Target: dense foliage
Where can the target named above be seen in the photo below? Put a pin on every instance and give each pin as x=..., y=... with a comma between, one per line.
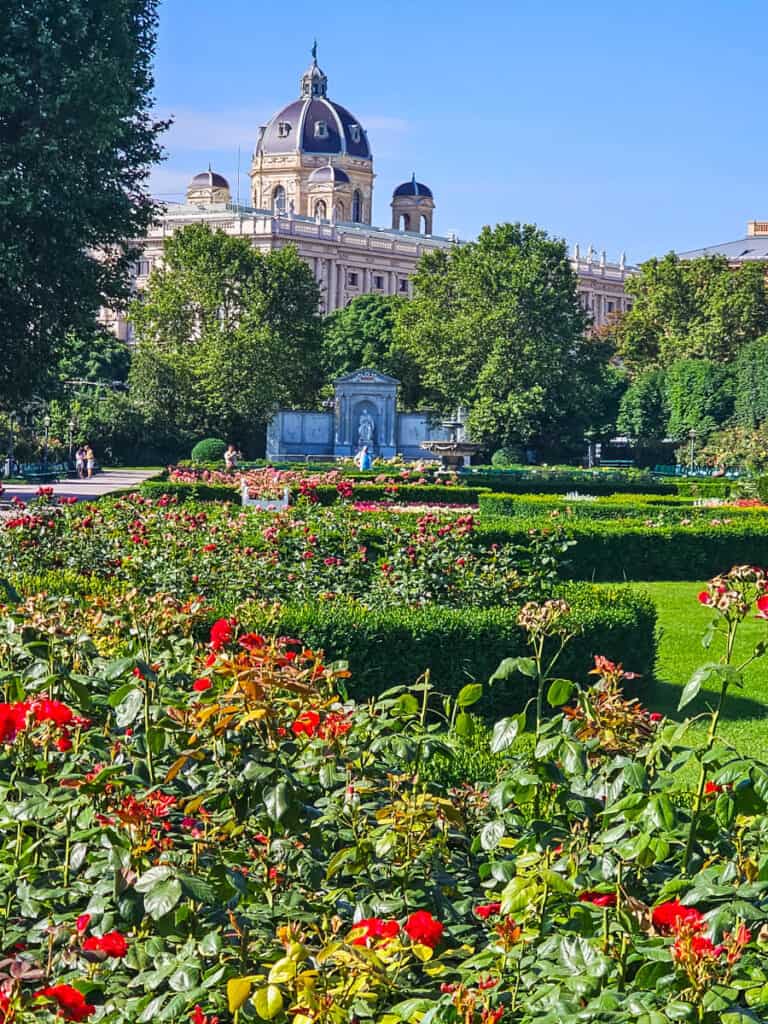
x=213, y=830
x=496, y=326
x=77, y=138
x=225, y=335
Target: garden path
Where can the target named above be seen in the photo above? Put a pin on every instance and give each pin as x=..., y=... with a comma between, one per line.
x=105, y=482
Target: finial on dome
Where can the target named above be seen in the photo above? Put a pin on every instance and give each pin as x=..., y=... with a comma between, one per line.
x=313, y=81
x=314, y=51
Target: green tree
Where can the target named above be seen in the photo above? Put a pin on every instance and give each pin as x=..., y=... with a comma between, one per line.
x=698, y=396
x=98, y=356
x=751, y=383
x=643, y=410
x=496, y=326
x=225, y=335
x=362, y=334
x=686, y=309
x=77, y=139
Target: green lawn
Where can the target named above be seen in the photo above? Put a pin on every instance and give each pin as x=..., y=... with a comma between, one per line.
x=682, y=623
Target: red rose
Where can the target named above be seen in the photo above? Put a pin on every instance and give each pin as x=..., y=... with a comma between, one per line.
x=704, y=597
x=72, y=1004
x=599, y=899
x=373, y=928
x=668, y=917
x=656, y=716
x=82, y=923
x=111, y=944
x=209, y=547
x=64, y=743
x=221, y=633
x=251, y=641
x=203, y=683
x=712, y=787
x=52, y=711
x=762, y=607
x=306, y=723
x=423, y=928
x=487, y=910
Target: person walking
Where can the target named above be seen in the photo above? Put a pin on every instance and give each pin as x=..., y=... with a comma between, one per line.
x=363, y=459
x=80, y=461
x=90, y=460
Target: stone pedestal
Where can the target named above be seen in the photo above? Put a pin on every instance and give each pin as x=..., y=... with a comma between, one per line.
x=364, y=414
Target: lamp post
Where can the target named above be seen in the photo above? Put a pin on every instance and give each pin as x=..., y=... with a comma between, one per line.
x=71, y=430
x=588, y=437
x=11, y=438
x=692, y=436
x=47, y=427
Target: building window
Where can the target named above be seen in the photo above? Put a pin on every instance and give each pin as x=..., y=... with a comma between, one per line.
x=321, y=130
x=338, y=211
x=283, y=129
x=357, y=206
x=378, y=281
x=609, y=307
x=352, y=278
x=278, y=199
x=403, y=286
x=629, y=305
x=354, y=132
x=321, y=210
x=142, y=268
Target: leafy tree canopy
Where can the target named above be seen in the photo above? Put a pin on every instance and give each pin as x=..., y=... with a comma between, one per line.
x=76, y=142
x=496, y=326
x=699, y=397
x=691, y=309
x=643, y=411
x=751, y=383
x=362, y=334
x=99, y=356
x=225, y=335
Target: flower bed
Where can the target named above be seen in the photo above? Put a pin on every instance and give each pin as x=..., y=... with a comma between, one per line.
x=211, y=831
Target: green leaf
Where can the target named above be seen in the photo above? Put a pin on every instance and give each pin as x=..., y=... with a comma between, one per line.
x=510, y=667
x=491, y=834
x=560, y=690
x=277, y=800
x=114, y=669
x=464, y=725
x=469, y=695
x=504, y=733
x=129, y=709
x=153, y=877
x=728, y=674
x=268, y=1002
x=163, y=898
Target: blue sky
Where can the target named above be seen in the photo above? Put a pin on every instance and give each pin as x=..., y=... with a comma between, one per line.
x=635, y=127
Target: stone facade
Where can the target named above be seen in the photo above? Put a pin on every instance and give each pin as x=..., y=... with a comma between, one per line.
x=312, y=187
x=364, y=413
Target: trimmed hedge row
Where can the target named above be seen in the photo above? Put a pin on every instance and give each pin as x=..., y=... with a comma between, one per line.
x=394, y=646
x=406, y=494
x=613, y=550
x=189, y=492
x=416, y=494
x=559, y=483
x=611, y=506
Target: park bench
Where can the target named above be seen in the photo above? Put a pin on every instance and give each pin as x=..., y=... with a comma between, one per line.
x=41, y=472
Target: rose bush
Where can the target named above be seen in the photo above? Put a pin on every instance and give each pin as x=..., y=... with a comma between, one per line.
x=262, y=848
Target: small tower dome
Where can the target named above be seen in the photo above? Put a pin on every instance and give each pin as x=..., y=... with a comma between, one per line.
x=208, y=187
x=413, y=206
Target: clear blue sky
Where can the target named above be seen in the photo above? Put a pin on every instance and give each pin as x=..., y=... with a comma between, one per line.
x=631, y=126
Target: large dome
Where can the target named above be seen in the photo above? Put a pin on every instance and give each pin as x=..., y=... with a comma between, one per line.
x=314, y=124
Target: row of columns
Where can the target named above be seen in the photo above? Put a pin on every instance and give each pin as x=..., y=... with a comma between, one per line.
x=331, y=275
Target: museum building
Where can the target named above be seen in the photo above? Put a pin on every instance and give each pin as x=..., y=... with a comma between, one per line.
x=311, y=185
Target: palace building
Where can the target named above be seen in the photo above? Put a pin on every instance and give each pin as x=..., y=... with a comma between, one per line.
x=752, y=249
x=311, y=185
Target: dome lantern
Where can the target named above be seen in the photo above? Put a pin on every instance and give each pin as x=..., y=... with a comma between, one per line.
x=413, y=206
x=208, y=187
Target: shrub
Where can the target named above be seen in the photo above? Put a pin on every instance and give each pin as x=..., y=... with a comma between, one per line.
x=509, y=456
x=762, y=488
x=189, y=492
x=613, y=506
x=612, y=550
x=384, y=647
x=211, y=449
x=519, y=481
x=404, y=494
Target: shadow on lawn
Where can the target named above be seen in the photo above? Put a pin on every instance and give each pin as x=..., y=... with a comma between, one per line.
x=664, y=697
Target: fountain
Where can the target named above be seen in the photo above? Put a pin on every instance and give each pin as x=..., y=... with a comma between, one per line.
x=454, y=453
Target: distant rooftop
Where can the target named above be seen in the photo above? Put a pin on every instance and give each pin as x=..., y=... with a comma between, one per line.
x=753, y=248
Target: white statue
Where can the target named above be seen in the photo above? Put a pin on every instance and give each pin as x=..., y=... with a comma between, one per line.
x=366, y=428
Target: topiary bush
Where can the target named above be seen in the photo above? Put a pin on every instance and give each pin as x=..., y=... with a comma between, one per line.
x=211, y=449
x=509, y=456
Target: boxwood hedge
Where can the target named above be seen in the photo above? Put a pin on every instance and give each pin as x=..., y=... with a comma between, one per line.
x=612, y=550
x=396, y=645
x=613, y=506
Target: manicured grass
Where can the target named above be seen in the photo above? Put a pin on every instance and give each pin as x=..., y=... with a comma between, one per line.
x=682, y=623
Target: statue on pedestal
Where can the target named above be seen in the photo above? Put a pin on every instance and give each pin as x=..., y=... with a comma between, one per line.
x=366, y=429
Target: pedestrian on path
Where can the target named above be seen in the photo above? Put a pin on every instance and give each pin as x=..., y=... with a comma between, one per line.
x=90, y=460
x=80, y=461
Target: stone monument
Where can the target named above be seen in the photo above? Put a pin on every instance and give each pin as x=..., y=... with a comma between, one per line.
x=364, y=414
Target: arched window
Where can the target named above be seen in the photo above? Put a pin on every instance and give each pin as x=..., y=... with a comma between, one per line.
x=278, y=199
x=339, y=211
x=320, y=209
x=406, y=222
x=357, y=206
